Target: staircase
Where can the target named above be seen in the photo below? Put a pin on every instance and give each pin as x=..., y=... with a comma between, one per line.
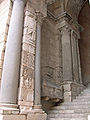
x=78, y=109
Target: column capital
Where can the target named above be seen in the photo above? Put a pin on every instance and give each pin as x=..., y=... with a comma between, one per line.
x=65, y=29
x=18, y=0
x=39, y=17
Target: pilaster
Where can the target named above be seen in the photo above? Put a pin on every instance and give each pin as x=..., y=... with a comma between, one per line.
x=70, y=33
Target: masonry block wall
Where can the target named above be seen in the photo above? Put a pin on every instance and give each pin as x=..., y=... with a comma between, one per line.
x=84, y=43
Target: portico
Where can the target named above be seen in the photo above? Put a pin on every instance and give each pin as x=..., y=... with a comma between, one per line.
x=42, y=64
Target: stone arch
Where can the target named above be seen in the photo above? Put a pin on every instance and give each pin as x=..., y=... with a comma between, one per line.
x=84, y=42
x=73, y=7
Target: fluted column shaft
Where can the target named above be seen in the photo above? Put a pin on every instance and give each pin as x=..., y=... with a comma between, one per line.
x=10, y=75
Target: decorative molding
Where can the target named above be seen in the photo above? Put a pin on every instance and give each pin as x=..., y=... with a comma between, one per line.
x=39, y=17
x=48, y=2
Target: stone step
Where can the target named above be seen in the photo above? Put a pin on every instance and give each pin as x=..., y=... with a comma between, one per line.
x=72, y=107
x=86, y=90
x=83, y=97
x=77, y=103
x=68, y=115
x=81, y=100
x=84, y=94
x=78, y=109
x=67, y=118
x=69, y=111
x=60, y=111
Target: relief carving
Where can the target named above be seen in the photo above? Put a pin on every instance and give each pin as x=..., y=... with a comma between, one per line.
x=28, y=59
x=26, y=88
x=28, y=75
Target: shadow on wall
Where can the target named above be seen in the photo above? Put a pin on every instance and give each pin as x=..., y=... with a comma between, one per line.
x=84, y=43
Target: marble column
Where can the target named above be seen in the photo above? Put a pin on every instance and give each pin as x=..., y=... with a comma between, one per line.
x=10, y=75
x=37, y=62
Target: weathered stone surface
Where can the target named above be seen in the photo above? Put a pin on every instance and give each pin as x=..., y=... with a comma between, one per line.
x=37, y=115
x=84, y=43
x=78, y=109
x=26, y=88
x=51, y=67
x=71, y=90
x=60, y=78
x=11, y=117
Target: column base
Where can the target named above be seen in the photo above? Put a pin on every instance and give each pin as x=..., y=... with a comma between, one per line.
x=37, y=114
x=12, y=117
x=10, y=112
x=71, y=90
x=8, y=109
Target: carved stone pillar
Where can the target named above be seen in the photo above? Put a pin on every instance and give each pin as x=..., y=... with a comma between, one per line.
x=37, y=113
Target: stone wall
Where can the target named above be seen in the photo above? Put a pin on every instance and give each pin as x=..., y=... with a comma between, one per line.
x=5, y=14
x=51, y=68
x=51, y=64
x=84, y=43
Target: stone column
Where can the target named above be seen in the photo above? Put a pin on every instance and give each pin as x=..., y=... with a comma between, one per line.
x=37, y=113
x=10, y=75
x=37, y=93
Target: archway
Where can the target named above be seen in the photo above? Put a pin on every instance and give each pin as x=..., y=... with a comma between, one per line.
x=84, y=43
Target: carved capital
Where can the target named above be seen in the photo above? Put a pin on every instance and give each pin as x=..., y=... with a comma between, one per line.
x=65, y=30
x=39, y=17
